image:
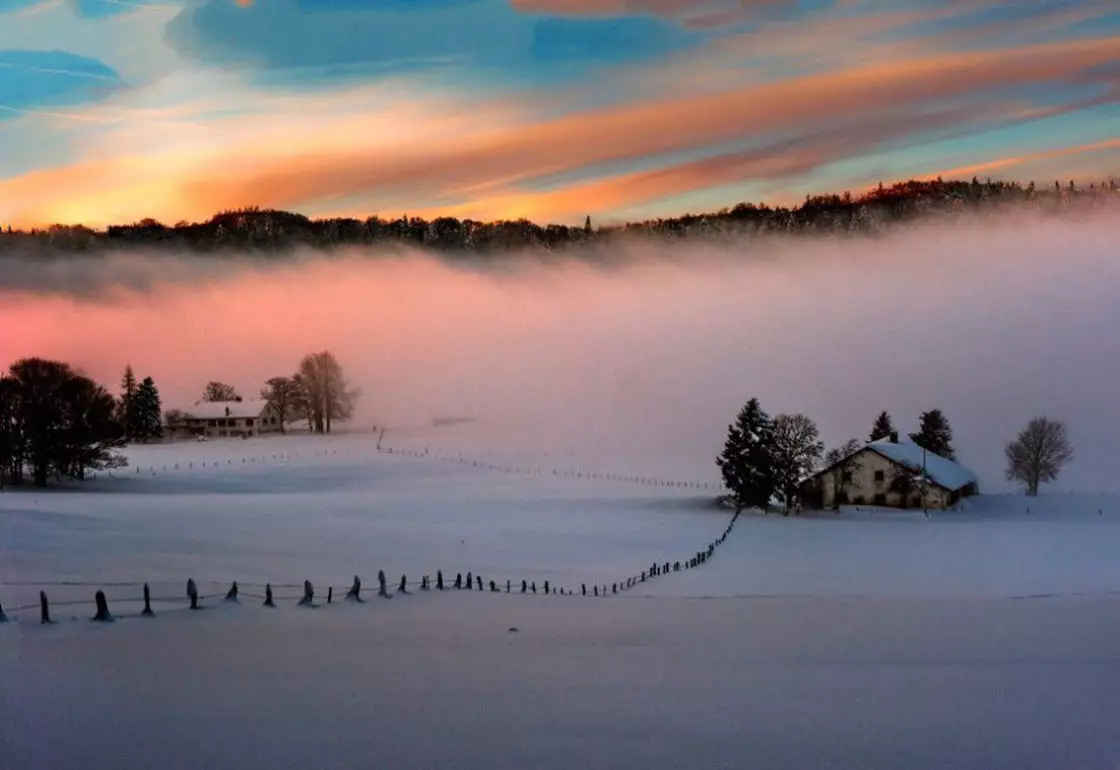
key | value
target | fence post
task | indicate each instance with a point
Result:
(546, 588)
(103, 615)
(470, 581)
(439, 579)
(3, 617)
(493, 587)
(534, 586)
(308, 595)
(424, 584)
(231, 594)
(404, 585)
(330, 594)
(458, 580)
(509, 585)
(147, 611)
(192, 593)
(524, 586)
(479, 579)
(583, 589)
(355, 592)
(44, 608)
(382, 587)
(596, 590)
(268, 595)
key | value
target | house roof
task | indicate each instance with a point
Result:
(941, 471)
(212, 410)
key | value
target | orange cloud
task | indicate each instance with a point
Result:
(410, 158)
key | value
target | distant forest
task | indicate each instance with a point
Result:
(262, 230)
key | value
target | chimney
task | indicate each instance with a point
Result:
(227, 411)
(894, 437)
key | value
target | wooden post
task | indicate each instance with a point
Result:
(534, 586)
(479, 578)
(355, 592)
(192, 593)
(308, 599)
(403, 589)
(3, 617)
(382, 586)
(103, 615)
(231, 594)
(44, 608)
(424, 584)
(470, 581)
(583, 589)
(147, 611)
(330, 594)
(524, 586)
(458, 580)
(547, 590)
(493, 587)
(596, 589)
(268, 595)
(509, 585)
(439, 579)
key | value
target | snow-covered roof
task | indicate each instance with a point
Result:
(945, 473)
(213, 410)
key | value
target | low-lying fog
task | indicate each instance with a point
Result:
(652, 354)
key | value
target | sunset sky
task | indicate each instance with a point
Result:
(115, 110)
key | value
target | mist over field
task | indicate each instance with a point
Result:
(649, 352)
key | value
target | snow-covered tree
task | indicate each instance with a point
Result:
(747, 463)
(796, 450)
(1037, 454)
(935, 435)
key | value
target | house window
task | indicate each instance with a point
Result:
(880, 500)
(213, 423)
(249, 422)
(880, 475)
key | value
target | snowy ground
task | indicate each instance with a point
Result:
(983, 638)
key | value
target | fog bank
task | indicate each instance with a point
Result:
(652, 355)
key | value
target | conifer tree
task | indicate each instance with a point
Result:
(148, 411)
(747, 462)
(126, 406)
(935, 435)
(883, 427)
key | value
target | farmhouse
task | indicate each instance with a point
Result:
(890, 473)
(231, 419)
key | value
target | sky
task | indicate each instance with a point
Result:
(116, 110)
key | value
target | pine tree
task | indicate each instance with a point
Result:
(935, 435)
(883, 427)
(148, 411)
(126, 406)
(747, 462)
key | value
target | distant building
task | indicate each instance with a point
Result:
(230, 419)
(893, 474)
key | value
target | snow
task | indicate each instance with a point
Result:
(979, 638)
(212, 410)
(941, 471)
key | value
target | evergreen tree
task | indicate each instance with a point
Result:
(126, 406)
(149, 411)
(883, 427)
(935, 435)
(747, 462)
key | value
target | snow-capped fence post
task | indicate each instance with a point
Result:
(308, 599)
(192, 593)
(524, 586)
(44, 608)
(546, 588)
(355, 592)
(458, 580)
(493, 587)
(583, 589)
(231, 594)
(479, 579)
(596, 590)
(403, 589)
(509, 585)
(439, 579)
(533, 586)
(102, 615)
(470, 581)
(382, 586)
(424, 584)
(268, 595)
(147, 611)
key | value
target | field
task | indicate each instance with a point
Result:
(979, 638)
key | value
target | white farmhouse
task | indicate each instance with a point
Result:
(890, 473)
(231, 419)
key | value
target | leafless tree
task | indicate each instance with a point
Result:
(220, 391)
(1037, 454)
(796, 452)
(282, 393)
(845, 465)
(324, 390)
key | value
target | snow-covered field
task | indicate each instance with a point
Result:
(982, 638)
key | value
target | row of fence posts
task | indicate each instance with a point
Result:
(575, 474)
(189, 465)
(354, 593)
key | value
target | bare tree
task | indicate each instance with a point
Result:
(1037, 454)
(845, 465)
(796, 452)
(325, 392)
(220, 391)
(282, 393)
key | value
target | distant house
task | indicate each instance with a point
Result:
(230, 419)
(893, 474)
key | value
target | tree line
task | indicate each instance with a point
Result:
(269, 230)
(766, 459)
